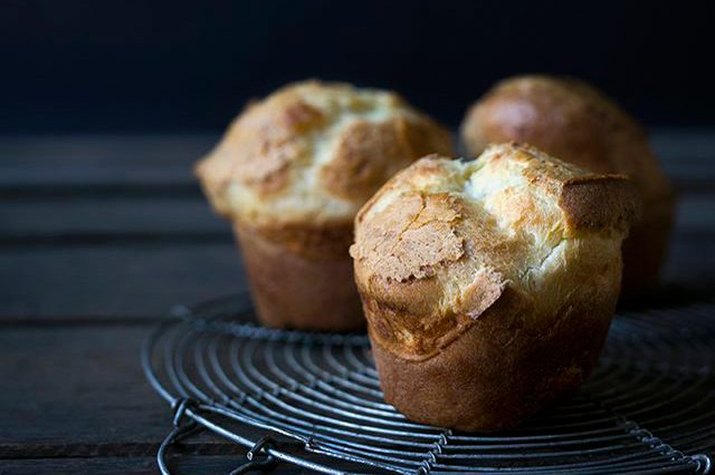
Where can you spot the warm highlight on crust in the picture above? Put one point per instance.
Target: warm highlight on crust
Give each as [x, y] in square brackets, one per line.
[368, 153]
[314, 152]
[471, 271]
[576, 123]
[420, 237]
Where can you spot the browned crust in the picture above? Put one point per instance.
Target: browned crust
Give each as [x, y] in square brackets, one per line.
[417, 239]
[574, 122]
[405, 309]
[327, 241]
[594, 202]
[567, 119]
[260, 146]
[292, 290]
[600, 203]
[369, 153]
[499, 371]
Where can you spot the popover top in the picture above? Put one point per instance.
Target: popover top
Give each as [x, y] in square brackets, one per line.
[571, 120]
[445, 239]
[312, 153]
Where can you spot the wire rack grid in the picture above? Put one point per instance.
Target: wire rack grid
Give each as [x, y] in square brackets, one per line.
[648, 408]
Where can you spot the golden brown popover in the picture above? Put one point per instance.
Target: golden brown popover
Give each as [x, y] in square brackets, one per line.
[489, 285]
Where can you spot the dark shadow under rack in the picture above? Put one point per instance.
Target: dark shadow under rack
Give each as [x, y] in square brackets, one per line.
[314, 400]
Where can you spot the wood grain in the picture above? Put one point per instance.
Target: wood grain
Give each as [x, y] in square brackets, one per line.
[77, 391]
[90, 215]
[120, 281]
[166, 159]
[193, 465]
[101, 235]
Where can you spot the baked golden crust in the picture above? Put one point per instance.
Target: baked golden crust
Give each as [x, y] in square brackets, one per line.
[570, 120]
[369, 153]
[293, 289]
[516, 242]
[312, 153]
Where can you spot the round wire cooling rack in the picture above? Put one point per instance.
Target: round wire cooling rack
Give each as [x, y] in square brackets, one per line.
[314, 400]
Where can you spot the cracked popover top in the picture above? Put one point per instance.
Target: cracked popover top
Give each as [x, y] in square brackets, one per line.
[312, 153]
[444, 240]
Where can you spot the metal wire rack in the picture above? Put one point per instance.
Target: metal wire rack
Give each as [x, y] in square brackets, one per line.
[314, 400]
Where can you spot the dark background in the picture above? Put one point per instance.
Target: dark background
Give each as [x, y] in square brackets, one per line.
[154, 65]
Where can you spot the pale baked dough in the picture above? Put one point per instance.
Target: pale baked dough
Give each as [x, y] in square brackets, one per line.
[313, 153]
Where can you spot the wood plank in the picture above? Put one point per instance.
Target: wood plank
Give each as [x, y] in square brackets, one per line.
[196, 465]
[686, 153]
[695, 213]
[107, 281]
[38, 219]
[76, 401]
[160, 160]
[77, 391]
[101, 165]
[691, 262]
[90, 151]
[61, 165]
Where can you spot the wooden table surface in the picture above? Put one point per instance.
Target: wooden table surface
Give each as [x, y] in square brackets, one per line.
[101, 235]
